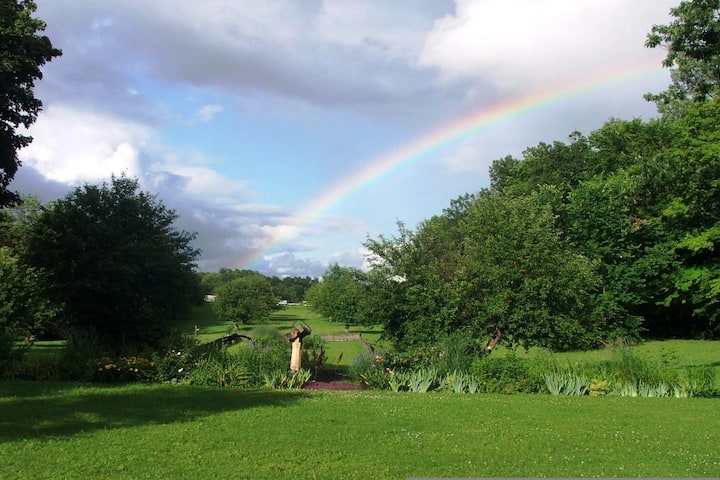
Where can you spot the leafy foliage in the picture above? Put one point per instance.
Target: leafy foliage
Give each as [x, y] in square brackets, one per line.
[112, 261]
[22, 52]
[691, 42]
[342, 296]
[246, 300]
[497, 263]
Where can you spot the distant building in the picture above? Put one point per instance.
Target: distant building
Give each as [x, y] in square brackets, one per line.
[209, 298]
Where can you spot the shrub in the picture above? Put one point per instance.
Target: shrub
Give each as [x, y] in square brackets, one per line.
[700, 381]
[508, 374]
[175, 363]
[265, 354]
[124, 369]
[220, 368]
[78, 360]
[371, 371]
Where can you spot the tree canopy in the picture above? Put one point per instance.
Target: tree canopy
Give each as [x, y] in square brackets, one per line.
[691, 41]
[341, 295]
[22, 52]
[113, 262]
[244, 300]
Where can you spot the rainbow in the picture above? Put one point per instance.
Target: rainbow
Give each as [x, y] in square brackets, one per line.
[441, 138]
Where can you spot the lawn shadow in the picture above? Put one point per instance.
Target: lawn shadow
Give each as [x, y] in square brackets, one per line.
[60, 410]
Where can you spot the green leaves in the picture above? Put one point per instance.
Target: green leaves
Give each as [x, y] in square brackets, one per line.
[343, 296]
[22, 53]
[691, 42]
[110, 257]
[245, 300]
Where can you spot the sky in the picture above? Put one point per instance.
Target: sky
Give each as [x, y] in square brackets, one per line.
[286, 133]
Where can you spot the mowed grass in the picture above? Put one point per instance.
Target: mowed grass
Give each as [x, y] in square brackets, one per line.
[62, 431]
[67, 431]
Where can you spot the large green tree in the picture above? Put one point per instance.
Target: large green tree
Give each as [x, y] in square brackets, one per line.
[22, 52]
[245, 300]
[490, 265]
[113, 261]
[341, 295]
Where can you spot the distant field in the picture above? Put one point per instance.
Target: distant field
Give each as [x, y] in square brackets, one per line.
[281, 322]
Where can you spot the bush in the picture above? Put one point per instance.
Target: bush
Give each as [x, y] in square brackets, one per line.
[241, 365]
[78, 360]
[220, 368]
[700, 381]
[509, 374]
[370, 370]
[177, 361]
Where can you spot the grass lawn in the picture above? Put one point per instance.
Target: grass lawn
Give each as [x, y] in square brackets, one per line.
[55, 430]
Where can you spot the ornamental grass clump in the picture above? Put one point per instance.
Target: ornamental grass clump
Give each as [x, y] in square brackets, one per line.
[700, 381]
[284, 379]
[460, 382]
[422, 380]
[220, 368]
[566, 384]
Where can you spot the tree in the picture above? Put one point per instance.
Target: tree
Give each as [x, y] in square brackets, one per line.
[112, 260]
[292, 289]
[24, 309]
[245, 300]
[692, 42]
[496, 266]
[559, 164]
[341, 296]
[22, 53]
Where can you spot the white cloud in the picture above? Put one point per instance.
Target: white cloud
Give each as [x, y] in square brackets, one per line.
[199, 182]
[526, 43]
[74, 146]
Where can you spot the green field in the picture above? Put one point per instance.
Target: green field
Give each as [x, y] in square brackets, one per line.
[159, 431]
[145, 431]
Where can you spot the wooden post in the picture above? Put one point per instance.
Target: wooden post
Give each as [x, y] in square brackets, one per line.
[295, 337]
[296, 357]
